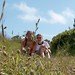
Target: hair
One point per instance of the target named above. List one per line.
(29, 32)
(39, 35)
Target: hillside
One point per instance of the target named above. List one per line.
(12, 62)
(64, 43)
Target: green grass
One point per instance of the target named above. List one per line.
(12, 62)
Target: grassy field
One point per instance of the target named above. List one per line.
(12, 62)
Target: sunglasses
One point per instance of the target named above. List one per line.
(39, 37)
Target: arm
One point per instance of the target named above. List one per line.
(23, 43)
(48, 46)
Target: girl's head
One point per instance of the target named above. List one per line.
(39, 38)
(29, 35)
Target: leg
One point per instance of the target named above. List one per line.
(47, 53)
(42, 52)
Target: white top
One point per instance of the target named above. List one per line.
(44, 44)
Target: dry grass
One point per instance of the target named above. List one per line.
(12, 62)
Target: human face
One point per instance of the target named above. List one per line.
(29, 36)
(39, 39)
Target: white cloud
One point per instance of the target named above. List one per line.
(32, 14)
(56, 18)
(63, 18)
(25, 8)
(28, 17)
(29, 13)
(68, 13)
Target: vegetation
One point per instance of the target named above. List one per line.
(64, 43)
(12, 62)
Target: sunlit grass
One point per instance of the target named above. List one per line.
(12, 62)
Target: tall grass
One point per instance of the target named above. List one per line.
(12, 62)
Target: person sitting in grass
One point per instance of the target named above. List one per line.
(28, 44)
(42, 47)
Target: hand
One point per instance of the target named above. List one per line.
(32, 54)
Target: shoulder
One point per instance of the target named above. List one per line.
(34, 42)
(45, 42)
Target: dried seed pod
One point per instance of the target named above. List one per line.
(4, 53)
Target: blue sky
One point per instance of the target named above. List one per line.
(55, 16)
